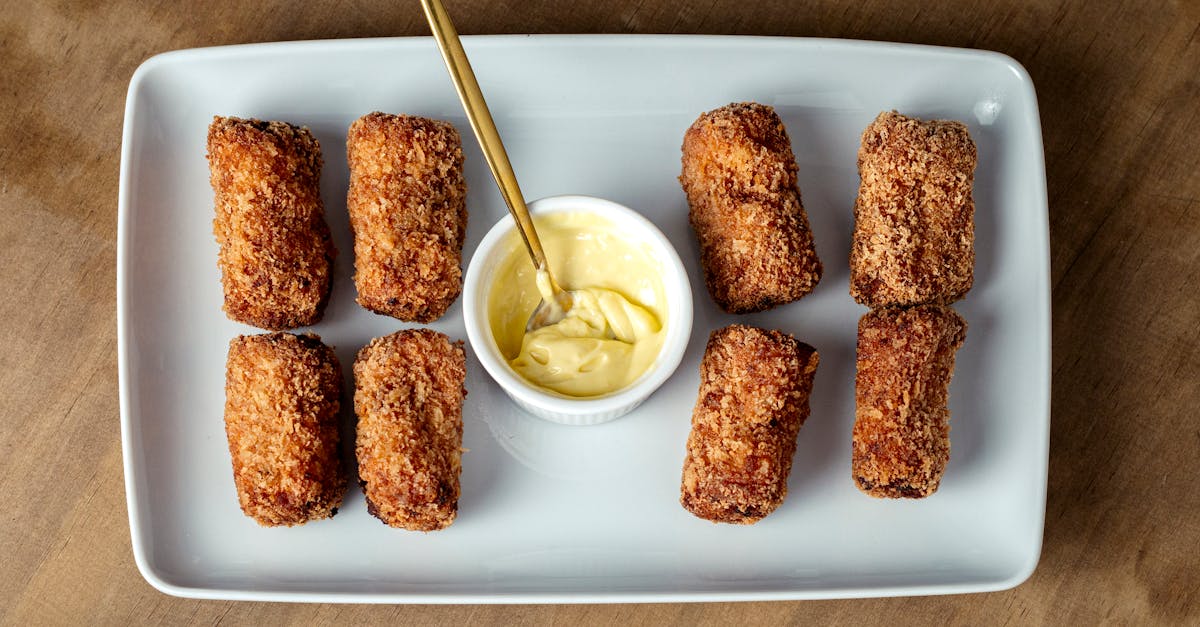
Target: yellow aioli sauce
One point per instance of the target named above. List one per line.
(612, 332)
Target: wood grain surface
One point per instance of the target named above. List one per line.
(1119, 89)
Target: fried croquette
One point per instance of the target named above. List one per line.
(754, 389)
(914, 218)
(276, 254)
(739, 174)
(408, 212)
(408, 394)
(282, 396)
(901, 438)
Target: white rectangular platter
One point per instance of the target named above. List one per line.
(551, 513)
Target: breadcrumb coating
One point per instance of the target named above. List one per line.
(408, 212)
(754, 389)
(282, 397)
(739, 174)
(408, 394)
(901, 440)
(914, 218)
(276, 254)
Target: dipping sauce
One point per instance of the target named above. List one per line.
(613, 331)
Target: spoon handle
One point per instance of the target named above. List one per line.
(485, 128)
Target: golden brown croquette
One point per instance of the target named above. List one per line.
(276, 254)
(914, 219)
(754, 389)
(739, 174)
(408, 394)
(901, 438)
(282, 396)
(408, 212)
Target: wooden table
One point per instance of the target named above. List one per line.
(1119, 90)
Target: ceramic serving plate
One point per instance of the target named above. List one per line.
(553, 513)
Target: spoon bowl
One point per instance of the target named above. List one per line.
(550, 310)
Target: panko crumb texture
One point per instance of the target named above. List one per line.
(276, 253)
(914, 218)
(408, 395)
(282, 397)
(408, 212)
(753, 399)
(739, 174)
(901, 437)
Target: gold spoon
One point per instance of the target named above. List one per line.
(549, 310)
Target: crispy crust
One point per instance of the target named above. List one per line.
(901, 440)
(408, 394)
(754, 389)
(276, 254)
(739, 175)
(282, 397)
(914, 218)
(408, 212)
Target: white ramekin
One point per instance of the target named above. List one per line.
(549, 406)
